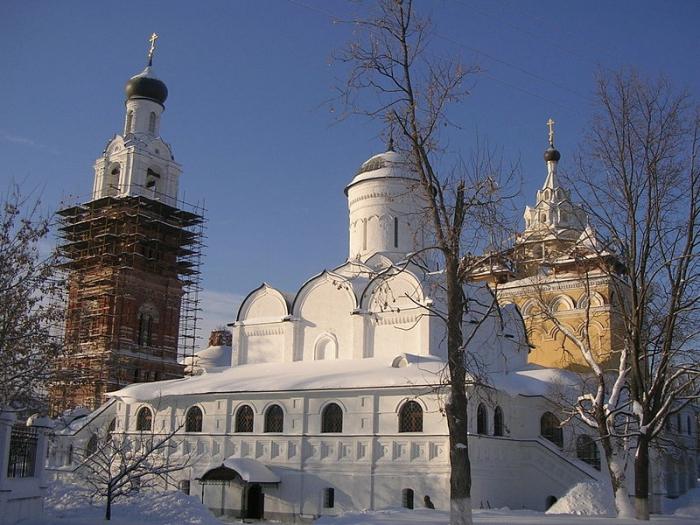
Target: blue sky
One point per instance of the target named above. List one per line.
(247, 115)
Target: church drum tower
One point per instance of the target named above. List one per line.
(132, 254)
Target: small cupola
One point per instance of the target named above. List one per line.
(146, 84)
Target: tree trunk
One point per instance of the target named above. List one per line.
(641, 479)
(108, 511)
(617, 472)
(460, 467)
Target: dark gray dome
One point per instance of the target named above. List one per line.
(551, 154)
(144, 85)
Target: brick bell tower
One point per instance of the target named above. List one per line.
(132, 255)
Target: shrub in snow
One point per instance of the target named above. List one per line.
(586, 499)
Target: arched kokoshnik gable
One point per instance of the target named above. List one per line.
(264, 301)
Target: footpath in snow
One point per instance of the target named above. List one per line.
(69, 505)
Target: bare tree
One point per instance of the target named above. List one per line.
(602, 401)
(392, 77)
(640, 181)
(29, 313)
(116, 465)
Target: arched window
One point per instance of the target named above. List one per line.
(407, 498)
(129, 122)
(91, 447)
(411, 418)
(274, 419)
(550, 429)
(152, 178)
(185, 486)
(145, 335)
(193, 420)
(152, 122)
(679, 425)
(144, 419)
(481, 423)
(244, 419)
(587, 450)
(332, 418)
(498, 422)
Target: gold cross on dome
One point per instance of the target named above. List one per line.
(152, 40)
(550, 124)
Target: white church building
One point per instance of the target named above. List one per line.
(331, 397)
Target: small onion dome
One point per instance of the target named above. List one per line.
(145, 85)
(552, 154)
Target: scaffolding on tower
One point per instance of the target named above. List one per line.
(117, 250)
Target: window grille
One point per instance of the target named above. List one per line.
(411, 417)
(193, 420)
(550, 429)
(144, 419)
(587, 450)
(22, 457)
(332, 418)
(244, 419)
(274, 419)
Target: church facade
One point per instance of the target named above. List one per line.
(331, 398)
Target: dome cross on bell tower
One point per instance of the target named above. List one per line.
(550, 125)
(152, 49)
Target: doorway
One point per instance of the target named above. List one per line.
(255, 502)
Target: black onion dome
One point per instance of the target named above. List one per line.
(551, 154)
(145, 86)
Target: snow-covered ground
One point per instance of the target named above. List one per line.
(68, 505)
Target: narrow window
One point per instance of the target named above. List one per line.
(129, 121)
(364, 234)
(274, 419)
(136, 375)
(193, 420)
(244, 419)
(679, 425)
(481, 424)
(328, 498)
(407, 498)
(152, 122)
(689, 423)
(185, 486)
(140, 335)
(550, 428)
(498, 422)
(411, 418)
(587, 450)
(144, 419)
(149, 331)
(396, 232)
(112, 425)
(70, 455)
(332, 419)
(91, 447)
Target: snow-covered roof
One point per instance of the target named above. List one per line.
(297, 375)
(211, 358)
(251, 470)
(413, 371)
